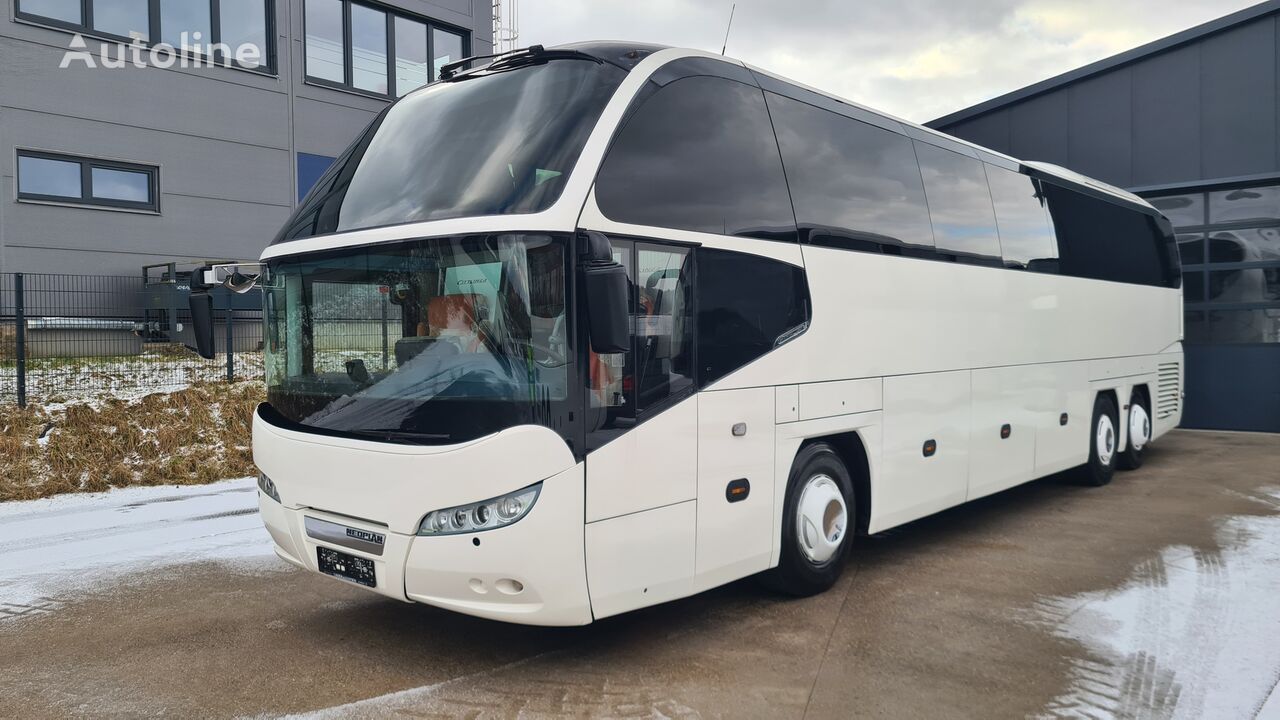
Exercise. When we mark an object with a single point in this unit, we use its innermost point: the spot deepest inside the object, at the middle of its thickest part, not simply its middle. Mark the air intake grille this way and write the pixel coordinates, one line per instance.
(1167, 389)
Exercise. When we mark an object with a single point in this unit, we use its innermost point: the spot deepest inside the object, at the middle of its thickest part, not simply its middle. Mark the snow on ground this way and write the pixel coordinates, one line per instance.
(94, 380)
(1193, 634)
(69, 545)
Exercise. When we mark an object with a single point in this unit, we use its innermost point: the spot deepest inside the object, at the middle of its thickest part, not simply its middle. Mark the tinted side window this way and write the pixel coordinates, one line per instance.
(964, 222)
(1026, 233)
(699, 155)
(746, 303)
(1104, 241)
(854, 185)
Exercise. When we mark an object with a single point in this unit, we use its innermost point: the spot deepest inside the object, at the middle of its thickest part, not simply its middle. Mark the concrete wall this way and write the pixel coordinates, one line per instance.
(1207, 110)
(225, 141)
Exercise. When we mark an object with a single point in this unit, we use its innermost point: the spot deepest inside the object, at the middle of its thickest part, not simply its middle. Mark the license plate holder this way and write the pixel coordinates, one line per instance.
(346, 567)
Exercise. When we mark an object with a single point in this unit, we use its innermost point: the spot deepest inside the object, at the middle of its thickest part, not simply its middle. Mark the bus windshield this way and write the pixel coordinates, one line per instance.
(498, 143)
(430, 341)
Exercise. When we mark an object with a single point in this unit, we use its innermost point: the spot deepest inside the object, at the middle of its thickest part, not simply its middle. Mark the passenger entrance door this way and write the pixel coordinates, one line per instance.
(642, 440)
(735, 483)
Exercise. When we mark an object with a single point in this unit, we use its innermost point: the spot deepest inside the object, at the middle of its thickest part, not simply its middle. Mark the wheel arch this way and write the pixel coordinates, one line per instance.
(1143, 388)
(1143, 391)
(852, 451)
(1115, 401)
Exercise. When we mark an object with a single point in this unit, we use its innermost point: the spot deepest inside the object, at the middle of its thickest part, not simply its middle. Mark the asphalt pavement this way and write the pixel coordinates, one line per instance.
(1151, 597)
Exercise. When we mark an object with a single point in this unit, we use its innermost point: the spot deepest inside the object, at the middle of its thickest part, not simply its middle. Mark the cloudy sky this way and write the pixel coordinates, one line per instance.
(918, 59)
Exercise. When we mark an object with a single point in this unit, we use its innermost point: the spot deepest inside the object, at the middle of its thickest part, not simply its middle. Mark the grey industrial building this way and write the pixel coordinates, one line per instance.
(104, 170)
(1191, 122)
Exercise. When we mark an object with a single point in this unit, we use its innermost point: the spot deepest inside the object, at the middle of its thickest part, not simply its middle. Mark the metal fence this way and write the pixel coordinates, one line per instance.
(70, 338)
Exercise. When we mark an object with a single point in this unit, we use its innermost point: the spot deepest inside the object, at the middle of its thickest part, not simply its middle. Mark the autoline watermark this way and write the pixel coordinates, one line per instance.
(190, 53)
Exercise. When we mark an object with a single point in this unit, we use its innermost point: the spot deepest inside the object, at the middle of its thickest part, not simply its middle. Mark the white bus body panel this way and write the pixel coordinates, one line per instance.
(543, 553)
(641, 559)
(920, 408)
(734, 537)
(1000, 397)
(651, 465)
(387, 489)
(1065, 388)
(649, 551)
(397, 485)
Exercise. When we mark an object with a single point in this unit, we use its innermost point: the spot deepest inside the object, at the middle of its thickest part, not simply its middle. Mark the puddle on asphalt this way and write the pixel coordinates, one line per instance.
(1192, 633)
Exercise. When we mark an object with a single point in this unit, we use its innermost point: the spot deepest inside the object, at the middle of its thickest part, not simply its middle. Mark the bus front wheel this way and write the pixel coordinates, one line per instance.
(1104, 439)
(817, 523)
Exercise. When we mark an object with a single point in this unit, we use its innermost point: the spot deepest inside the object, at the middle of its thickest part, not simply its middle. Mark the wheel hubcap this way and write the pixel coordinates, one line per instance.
(1139, 426)
(1106, 439)
(821, 519)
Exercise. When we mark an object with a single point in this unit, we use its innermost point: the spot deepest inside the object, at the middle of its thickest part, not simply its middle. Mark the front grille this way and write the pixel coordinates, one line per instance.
(1167, 396)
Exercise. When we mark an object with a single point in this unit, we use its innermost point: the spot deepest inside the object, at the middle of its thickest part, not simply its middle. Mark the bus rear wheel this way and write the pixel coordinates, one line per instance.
(817, 523)
(1139, 433)
(1103, 441)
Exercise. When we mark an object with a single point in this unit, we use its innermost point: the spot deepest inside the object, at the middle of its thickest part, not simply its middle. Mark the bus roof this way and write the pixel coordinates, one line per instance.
(626, 55)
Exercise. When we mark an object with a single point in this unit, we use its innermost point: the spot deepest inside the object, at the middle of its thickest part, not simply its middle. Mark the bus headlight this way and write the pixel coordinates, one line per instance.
(267, 487)
(476, 517)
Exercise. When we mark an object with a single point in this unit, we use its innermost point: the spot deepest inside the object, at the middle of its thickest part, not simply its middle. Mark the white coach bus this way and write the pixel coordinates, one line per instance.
(595, 327)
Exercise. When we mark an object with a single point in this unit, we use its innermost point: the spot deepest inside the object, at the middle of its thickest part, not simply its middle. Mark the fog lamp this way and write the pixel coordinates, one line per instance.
(267, 487)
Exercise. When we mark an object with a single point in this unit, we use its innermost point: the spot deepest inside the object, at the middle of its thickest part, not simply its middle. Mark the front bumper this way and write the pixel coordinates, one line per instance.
(532, 572)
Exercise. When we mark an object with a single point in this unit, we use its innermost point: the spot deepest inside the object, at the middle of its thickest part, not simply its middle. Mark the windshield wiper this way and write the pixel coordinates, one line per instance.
(531, 55)
(401, 435)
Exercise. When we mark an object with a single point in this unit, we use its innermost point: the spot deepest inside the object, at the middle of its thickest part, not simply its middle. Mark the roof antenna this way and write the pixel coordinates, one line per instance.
(728, 28)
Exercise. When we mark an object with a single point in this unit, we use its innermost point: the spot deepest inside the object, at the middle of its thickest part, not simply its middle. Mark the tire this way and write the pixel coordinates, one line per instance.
(1139, 426)
(1102, 431)
(815, 543)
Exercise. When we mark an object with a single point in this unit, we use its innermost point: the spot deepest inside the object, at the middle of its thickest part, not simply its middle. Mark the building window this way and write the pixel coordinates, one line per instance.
(374, 50)
(230, 32)
(412, 70)
(125, 18)
(310, 168)
(1229, 242)
(184, 23)
(50, 177)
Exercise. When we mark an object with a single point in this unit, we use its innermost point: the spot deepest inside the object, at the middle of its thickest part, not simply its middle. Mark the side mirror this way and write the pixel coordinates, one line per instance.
(239, 278)
(202, 322)
(604, 285)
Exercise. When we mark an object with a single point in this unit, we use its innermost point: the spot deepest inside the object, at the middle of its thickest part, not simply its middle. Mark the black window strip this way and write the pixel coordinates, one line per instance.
(348, 52)
(215, 28)
(392, 90)
(153, 16)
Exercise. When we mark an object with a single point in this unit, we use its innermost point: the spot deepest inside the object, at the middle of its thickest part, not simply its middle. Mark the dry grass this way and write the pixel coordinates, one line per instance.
(193, 436)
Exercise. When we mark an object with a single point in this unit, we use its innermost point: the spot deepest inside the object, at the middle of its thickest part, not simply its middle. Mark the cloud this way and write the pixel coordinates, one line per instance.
(918, 59)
